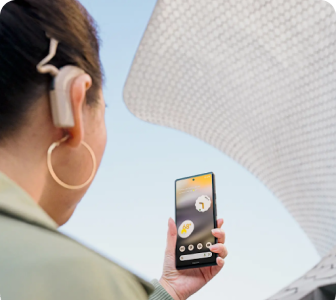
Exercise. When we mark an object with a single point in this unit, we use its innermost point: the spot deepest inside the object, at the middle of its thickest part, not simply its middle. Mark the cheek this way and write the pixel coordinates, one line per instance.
(97, 136)
(102, 137)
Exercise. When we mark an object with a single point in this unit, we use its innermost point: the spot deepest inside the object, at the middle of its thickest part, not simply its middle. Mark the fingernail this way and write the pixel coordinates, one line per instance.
(220, 261)
(215, 231)
(214, 248)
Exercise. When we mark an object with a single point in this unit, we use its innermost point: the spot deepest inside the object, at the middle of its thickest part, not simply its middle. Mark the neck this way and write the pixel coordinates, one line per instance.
(23, 157)
(25, 163)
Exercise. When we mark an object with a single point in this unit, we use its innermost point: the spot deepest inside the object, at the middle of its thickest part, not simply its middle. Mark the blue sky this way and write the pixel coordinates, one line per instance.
(125, 213)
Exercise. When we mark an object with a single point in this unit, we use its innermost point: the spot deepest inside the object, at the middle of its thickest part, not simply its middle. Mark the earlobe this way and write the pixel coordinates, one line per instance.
(79, 87)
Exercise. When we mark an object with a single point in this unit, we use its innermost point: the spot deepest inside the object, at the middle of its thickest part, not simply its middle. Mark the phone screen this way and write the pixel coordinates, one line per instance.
(195, 218)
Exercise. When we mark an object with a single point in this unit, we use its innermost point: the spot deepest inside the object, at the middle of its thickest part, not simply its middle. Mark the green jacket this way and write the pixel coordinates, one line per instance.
(37, 262)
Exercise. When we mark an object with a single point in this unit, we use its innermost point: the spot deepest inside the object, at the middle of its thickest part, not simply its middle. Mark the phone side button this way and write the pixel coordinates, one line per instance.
(216, 203)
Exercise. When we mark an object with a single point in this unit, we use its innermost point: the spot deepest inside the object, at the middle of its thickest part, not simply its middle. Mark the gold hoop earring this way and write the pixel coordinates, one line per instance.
(53, 174)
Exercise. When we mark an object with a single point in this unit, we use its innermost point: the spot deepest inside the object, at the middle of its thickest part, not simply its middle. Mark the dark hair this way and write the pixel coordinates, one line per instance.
(23, 44)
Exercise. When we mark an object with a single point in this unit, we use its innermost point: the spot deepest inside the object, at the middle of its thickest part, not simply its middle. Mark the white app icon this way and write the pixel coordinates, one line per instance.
(186, 229)
(199, 246)
(203, 203)
(182, 248)
(191, 247)
(208, 244)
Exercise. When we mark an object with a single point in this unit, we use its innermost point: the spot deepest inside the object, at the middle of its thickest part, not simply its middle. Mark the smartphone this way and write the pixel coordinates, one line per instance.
(195, 216)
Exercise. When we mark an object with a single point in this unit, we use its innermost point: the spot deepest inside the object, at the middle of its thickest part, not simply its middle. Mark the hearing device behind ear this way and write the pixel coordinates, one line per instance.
(60, 96)
(60, 91)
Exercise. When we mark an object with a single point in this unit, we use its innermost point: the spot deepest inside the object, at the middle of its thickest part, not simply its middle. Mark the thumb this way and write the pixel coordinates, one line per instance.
(171, 238)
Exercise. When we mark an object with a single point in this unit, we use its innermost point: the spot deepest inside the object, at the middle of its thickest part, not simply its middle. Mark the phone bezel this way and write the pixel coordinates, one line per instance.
(214, 196)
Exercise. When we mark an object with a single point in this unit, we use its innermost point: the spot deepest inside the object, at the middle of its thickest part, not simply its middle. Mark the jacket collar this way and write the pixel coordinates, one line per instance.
(17, 203)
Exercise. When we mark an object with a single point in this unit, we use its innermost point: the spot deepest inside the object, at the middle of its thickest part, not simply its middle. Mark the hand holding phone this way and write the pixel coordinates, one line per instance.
(181, 284)
(189, 278)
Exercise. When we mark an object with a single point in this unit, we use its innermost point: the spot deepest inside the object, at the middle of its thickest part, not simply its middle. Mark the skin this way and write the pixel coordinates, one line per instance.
(181, 284)
(23, 159)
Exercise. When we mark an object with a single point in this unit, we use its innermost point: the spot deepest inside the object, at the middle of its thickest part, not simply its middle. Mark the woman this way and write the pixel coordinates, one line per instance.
(37, 261)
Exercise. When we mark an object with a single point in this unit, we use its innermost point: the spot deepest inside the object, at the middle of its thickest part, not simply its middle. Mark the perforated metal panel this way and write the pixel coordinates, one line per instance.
(256, 79)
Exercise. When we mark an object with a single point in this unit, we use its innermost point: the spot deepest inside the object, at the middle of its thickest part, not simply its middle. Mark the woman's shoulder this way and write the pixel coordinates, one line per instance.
(37, 255)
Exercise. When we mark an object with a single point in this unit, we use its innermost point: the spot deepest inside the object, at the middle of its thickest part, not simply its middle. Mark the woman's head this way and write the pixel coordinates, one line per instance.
(26, 126)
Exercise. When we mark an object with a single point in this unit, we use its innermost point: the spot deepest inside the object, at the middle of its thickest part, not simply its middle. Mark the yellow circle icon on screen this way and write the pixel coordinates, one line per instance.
(186, 229)
(203, 203)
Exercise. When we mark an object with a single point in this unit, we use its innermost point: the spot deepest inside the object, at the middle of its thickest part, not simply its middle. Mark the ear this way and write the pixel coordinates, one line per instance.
(78, 91)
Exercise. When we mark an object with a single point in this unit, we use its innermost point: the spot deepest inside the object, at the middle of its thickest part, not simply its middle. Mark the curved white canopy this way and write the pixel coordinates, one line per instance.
(257, 80)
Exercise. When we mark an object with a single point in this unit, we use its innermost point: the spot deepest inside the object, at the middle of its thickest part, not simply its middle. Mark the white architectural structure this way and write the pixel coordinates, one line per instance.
(257, 80)
(317, 284)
